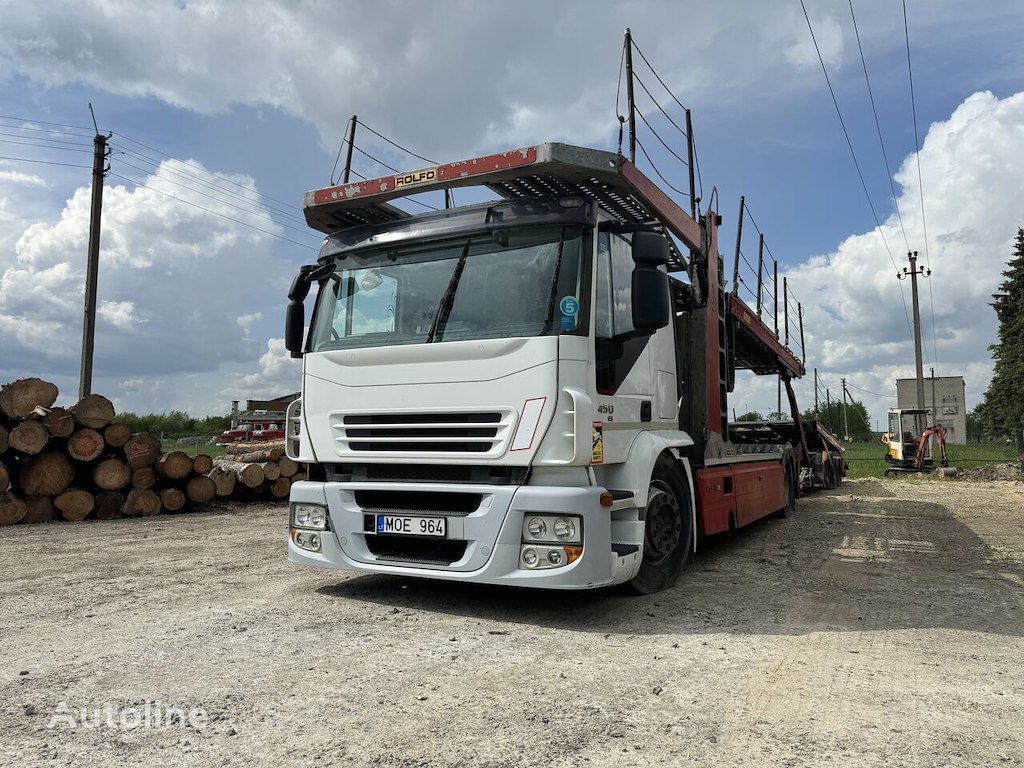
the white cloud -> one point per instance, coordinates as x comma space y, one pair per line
28, 179
854, 317
173, 280
498, 72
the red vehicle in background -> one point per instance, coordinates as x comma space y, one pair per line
257, 428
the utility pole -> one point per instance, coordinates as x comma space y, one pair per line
913, 272
828, 409
816, 393
935, 406
846, 422
99, 172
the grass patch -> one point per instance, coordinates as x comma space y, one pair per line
867, 459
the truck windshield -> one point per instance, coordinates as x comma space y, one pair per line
515, 282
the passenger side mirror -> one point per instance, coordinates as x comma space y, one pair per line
650, 289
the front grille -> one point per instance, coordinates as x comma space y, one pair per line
428, 473
415, 549
473, 432
403, 502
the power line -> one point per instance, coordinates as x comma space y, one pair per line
159, 168
856, 164
86, 128
198, 167
208, 210
878, 126
256, 213
43, 162
44, 146
920, 181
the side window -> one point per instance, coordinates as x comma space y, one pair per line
614, 274
372, 303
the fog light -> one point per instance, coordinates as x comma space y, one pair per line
530, 557
555, 557
537, 527
306, 540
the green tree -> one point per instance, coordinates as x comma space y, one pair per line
831, 416
750, 416
1002, 407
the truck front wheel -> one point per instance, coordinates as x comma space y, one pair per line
668, 529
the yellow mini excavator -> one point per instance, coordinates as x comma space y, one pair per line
908, 444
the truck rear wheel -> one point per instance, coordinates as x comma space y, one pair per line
789, 474
668, 531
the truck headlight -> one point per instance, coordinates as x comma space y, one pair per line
553, 529
313, 516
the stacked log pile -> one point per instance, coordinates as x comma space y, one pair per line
76, 463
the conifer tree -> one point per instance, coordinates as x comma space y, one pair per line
1003, 406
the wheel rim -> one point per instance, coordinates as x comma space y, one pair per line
664, 526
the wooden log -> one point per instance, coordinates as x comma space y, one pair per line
281, 487
5, 477
12, 509
202, 464
46, 474
19, 398
86, 445
142, 450
200, 489
75, 504
144, 478
108, 505
176, 465
287, 466
249, 475
116, 435
173, 499
112, 474
93, 411
29, 437
260, 456
38, 509
142, 502
224, 480
4, 435
270, 470
59, 422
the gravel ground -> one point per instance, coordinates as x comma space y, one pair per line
880, 625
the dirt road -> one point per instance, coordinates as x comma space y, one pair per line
881, 625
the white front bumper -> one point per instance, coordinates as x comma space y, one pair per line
492, 535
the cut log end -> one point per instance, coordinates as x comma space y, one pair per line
93, 411
48, 474
85, 445
75, 504
175, 465
20, 398
12, 509
28, 437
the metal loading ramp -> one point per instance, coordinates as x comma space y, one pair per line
755, 346
542, 171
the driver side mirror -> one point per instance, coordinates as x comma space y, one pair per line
294, 321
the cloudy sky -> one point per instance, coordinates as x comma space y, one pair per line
222, 115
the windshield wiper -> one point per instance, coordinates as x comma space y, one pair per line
550, 319
444, 309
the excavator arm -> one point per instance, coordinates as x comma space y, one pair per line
940, 439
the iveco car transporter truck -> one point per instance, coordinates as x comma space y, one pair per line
521, 391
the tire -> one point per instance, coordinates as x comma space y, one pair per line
830, 475
668, 531
790, 480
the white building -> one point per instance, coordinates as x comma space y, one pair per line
944, 397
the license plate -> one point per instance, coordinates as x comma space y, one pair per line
412, 526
